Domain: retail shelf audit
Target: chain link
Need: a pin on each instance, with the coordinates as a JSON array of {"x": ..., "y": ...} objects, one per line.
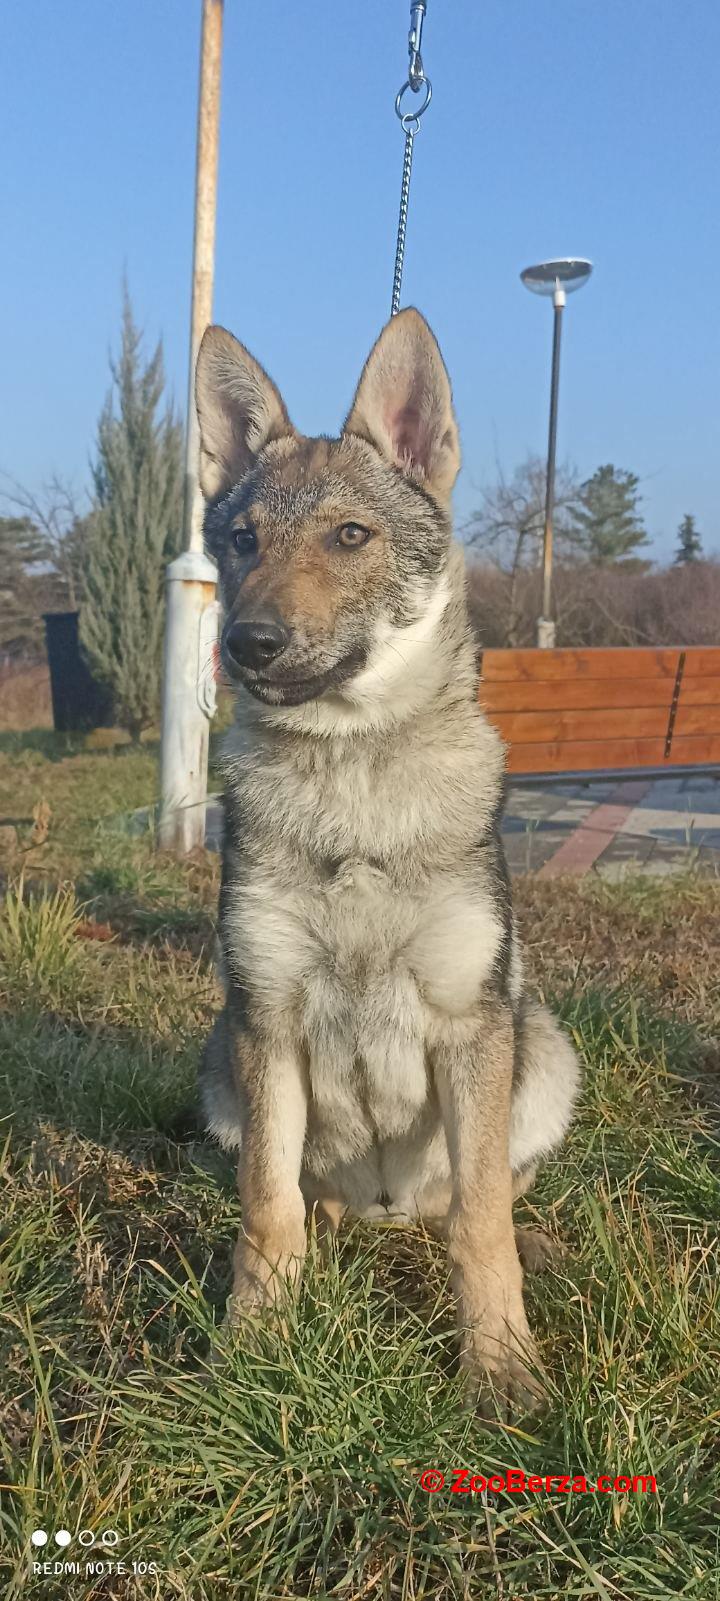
[
  {"x": 417, "y": 83},
  {"x": 402, "y": 221}
]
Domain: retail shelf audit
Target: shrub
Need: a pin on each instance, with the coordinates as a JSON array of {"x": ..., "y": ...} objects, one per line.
[{"x": 624, "y": 604}]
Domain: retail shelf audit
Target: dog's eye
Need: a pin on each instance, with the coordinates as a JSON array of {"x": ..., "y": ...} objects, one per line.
[
  {"x": 245, "y": 541},
  {"x": 351, "y": 536}
]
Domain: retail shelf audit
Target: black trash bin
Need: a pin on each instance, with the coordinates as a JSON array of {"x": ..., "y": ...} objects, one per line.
[{"x": 78, "y": 701}]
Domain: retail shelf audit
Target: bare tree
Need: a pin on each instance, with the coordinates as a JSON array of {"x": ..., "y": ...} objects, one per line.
[
  {"x": 57, "y": 512},
  {"x": 507, "y": 530},
  {"x": 623, "y": 604}
]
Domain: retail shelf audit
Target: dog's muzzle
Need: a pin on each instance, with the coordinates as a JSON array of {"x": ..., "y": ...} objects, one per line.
[
  {"x": 256, "y": 644},
  {"x": 253, "y": 654}
]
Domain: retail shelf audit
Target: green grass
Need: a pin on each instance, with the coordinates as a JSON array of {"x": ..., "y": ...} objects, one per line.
[
  {"x": 285, "y": 1464},
  {"x": 92, "y": 797},
  {"x": 39, "y": 950}
]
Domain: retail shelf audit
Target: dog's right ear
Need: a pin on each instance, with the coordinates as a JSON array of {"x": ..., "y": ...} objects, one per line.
[{"x": 239, "y": 411}]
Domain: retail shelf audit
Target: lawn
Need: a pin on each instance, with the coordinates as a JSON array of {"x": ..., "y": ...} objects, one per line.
[{"x": 288, "y": 1465}]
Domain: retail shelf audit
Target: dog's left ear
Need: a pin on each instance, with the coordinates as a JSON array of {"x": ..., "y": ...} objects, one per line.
[{"x": 403, "y": 404}]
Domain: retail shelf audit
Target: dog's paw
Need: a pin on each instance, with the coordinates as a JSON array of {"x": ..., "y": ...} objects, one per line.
[
  {"x": 259, "y": 1287},
  {"x": 255, "y": 1300},
  {"x": 503, "y": 1389},
  {"x": 501, "y": 1365},
  {"x": 537, "y": 1251},
  {"x": 267, "y": 1267}
]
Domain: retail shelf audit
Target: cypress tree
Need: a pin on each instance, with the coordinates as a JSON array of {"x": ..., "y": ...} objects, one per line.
[{"x": 134, "y": 529}]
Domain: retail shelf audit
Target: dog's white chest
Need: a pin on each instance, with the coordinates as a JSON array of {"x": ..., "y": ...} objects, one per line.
[
  {"x": 361, "y": 1011},
  {"x": 386, "y": 961},
  {"x": 361, "y": 966}
]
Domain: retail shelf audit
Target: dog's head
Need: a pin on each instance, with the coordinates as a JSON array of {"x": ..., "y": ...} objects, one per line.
[{"x": 331, "y": 552}]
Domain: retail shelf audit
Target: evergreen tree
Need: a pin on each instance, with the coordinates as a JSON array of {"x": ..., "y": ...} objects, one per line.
[
  {"x": 689, "y": 541},
  {"x": 607, "y": 520},
  {"x": 132, "y": 532}
]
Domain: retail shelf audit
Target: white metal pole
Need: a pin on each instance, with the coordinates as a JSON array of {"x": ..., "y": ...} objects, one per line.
[{"x": 191, "y": 610}]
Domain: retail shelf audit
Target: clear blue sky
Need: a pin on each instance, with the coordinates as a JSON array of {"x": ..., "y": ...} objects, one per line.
[{"x": 556, "y": 128}]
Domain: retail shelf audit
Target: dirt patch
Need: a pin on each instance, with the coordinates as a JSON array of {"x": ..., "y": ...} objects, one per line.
[{"x": 25, "y": 700}]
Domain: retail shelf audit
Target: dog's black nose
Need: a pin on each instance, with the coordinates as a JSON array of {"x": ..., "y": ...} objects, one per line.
[{"x": 256, "y": 644}]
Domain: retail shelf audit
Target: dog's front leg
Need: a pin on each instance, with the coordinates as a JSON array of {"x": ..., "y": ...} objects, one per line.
[
  {"x": 473, "y": 1073},
  {"x": 271, "y": 1083}
]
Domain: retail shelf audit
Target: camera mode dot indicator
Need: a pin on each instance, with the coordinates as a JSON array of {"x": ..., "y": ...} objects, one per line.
[
  {"x": 39, "y": 1537},
  {"x": 63, "y": 1537}
]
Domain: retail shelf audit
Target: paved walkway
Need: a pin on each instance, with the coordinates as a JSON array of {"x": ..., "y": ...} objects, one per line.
[{"x": 662, "y": 825}]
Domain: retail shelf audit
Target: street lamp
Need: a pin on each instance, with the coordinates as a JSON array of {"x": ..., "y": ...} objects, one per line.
[{"x": 559, "y": 279}]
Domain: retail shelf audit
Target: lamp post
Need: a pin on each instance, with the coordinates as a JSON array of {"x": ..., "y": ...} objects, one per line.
[{"x": 559, "y": 279}]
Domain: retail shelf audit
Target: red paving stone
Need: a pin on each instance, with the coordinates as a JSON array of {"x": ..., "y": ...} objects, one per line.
[{"x": 596, "y": 831}]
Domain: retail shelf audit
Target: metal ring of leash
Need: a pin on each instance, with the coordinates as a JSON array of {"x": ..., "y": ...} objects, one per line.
[{"x": 418, "y": 112}]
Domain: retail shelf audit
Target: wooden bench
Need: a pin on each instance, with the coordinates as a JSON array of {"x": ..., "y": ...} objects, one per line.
[{"x": 575, "y": 712}]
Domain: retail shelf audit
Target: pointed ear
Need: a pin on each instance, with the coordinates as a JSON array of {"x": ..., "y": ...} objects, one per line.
[
  {"x": 403, "y": 405},
  {"x": 239, "y": 411}
]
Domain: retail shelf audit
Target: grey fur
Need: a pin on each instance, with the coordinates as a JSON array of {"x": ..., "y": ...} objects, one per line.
[
  {"x": 364, "y": 897},
  {"x": 378, "y": 1051}
]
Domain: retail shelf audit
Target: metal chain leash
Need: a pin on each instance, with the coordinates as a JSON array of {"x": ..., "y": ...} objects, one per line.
[{"x": 418, "y": 84}]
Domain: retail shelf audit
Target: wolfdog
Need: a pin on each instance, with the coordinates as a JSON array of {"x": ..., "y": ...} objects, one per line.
[{"x": 378, "y": 1053}]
